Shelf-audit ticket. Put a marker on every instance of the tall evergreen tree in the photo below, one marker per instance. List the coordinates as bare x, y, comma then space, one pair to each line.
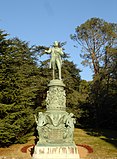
19, 84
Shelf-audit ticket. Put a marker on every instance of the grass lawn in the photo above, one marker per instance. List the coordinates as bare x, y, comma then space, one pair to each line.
104, 143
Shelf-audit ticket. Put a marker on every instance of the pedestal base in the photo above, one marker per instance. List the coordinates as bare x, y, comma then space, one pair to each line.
56, 152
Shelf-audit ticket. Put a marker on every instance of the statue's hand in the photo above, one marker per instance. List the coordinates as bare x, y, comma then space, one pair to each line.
46, 51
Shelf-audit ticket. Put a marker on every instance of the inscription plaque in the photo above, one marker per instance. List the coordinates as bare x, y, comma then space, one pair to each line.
56, 135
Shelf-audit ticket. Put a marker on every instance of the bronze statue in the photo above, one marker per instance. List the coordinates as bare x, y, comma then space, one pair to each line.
56, 53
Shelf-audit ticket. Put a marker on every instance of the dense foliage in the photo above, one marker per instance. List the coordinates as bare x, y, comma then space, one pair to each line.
19, 85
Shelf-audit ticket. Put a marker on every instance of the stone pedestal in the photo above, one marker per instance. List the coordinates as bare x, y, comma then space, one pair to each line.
55, 127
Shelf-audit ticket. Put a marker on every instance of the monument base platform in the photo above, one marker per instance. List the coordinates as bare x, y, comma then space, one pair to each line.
56, 152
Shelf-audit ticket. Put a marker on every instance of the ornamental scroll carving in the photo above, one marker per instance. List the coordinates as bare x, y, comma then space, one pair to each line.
56, 98
55, 128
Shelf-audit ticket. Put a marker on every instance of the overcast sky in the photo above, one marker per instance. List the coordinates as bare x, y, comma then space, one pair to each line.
41, 22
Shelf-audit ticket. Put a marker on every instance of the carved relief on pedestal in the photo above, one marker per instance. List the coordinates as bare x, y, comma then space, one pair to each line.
55, 128
56, 98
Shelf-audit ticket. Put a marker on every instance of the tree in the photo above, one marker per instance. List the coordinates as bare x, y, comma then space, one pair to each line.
99, 50
94, 36
71, 77
19, 82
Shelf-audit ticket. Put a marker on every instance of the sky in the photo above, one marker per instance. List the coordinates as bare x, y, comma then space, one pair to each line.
41, 22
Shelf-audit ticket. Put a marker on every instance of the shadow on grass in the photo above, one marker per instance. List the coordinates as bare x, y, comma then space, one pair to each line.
109, 136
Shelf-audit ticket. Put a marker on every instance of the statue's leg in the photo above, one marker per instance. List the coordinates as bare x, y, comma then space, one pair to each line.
59, 68
60, 73
53, 72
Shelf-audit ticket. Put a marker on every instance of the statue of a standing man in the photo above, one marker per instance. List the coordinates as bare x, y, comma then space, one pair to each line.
56, 53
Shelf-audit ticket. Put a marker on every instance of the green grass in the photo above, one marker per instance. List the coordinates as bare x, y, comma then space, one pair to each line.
103, 142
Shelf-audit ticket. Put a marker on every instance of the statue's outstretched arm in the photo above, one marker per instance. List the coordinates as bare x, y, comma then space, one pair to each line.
48, 51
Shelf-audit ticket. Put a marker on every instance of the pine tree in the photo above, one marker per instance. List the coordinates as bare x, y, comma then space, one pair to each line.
19, 84
98, 39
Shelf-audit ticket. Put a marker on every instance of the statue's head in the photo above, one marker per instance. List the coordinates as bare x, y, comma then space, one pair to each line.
56, 43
